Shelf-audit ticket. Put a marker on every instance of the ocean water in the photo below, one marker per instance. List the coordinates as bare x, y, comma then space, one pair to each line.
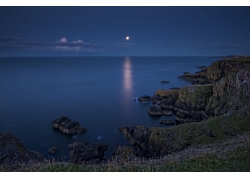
97, 92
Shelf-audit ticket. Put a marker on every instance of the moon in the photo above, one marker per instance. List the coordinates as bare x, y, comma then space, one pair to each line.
127, 37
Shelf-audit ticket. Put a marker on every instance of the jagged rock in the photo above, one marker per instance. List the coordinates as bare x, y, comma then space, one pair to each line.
167, 103
139, 137
85, 152
70, 127
67, 127
180, 106
12, 151
166, 122
53, 150
81, 130
56, 123
144, 98
155, 110
168, 112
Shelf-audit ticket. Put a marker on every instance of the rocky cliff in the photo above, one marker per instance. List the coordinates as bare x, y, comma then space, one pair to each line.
219, 89
221, 96
12, 151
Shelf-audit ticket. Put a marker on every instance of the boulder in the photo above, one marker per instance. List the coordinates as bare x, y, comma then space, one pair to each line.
53, 150
12, 151
168, 112
155, 110
85, 152
81, 130
56, 123
144, 98
166, 122
70, 127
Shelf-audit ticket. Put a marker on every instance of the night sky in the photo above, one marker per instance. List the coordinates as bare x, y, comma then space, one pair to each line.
102, 31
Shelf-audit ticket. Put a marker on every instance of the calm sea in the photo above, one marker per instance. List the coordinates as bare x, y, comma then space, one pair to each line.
97, 92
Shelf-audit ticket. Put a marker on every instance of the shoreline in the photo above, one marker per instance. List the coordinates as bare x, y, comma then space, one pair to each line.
197, 76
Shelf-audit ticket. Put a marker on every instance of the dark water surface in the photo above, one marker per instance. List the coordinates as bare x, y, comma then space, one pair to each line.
97, 92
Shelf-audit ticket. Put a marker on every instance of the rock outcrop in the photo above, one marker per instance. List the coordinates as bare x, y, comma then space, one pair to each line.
123, 153
144, 98
225, 87
156, 142
156, 110
62, 120
221, 90
85, 152
67, 127
53, 150
81, 130
12, 151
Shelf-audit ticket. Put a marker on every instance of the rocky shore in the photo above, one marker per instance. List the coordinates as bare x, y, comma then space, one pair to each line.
219, 89
215, 108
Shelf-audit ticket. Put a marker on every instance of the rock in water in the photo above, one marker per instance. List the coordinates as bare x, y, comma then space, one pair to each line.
63, 124
12, 151
144, 98
85, 152
53, 150
81, 130
70, 127
167, 122
156, 110
56, 123
164, 81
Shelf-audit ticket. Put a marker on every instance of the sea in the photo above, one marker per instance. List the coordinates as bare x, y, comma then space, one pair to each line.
97, 92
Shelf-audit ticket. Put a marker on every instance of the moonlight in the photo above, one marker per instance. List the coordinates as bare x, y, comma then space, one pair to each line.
127, 37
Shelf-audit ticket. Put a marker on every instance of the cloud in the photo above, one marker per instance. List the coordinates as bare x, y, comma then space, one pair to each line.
14, 44
63, 40
78, 41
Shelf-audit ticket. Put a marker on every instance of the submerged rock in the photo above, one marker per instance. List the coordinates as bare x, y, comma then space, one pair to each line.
12, 151
164, 81
85, 152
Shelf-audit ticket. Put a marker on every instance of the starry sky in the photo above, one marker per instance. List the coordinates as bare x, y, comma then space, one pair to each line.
102, 31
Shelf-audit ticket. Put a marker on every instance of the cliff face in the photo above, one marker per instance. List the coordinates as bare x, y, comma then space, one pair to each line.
232, 91
12, 151
227, 89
